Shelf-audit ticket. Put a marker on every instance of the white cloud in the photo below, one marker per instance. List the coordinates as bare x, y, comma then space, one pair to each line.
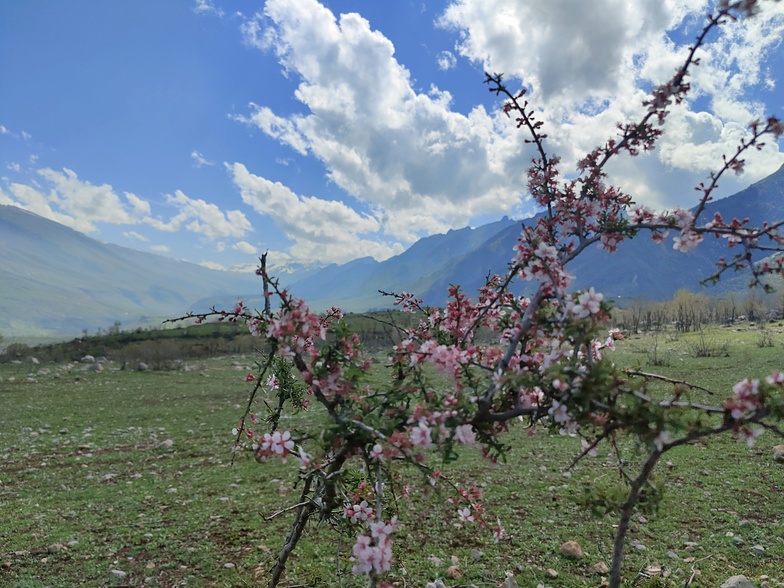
202, 217
586, 64
245, 247
4, 130
446, 60
323, 230
88, 204
160, 248
199, 160
206, 7
213, 266
13, 166
420, 166
135, 235
76, 203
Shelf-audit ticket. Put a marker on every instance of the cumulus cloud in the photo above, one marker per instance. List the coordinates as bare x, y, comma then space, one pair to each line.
160, 248
323, 230
76, 203
422, 167
587, 65
81, 205
202, 217
446, 60
213, 265
245, 247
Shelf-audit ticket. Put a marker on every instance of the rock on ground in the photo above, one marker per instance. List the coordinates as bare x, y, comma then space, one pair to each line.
737, 582
572, 550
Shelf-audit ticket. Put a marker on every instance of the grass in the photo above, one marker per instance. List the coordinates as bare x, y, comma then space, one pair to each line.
90, 497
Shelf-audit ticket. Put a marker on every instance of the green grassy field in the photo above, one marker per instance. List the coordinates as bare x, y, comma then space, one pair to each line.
90, 495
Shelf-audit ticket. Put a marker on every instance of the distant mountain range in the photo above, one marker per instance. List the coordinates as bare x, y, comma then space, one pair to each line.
56, 281
639, 269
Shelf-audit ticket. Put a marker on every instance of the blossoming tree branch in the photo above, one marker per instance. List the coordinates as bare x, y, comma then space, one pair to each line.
547, 364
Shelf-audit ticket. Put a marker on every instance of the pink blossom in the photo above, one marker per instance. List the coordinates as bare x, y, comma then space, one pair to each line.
377, 453
776, 378
465, 434
465, 515
358, 512
588, 303
277, 443
687, 241
420, 436
588, 449
254, 326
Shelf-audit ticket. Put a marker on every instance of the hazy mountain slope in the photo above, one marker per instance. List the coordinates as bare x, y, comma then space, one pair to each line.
56, 280
640, 268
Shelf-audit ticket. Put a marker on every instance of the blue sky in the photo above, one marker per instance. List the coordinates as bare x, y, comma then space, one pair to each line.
213, 130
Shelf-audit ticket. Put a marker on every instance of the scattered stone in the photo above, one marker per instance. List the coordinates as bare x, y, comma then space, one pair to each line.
88, 359
228, 565
737, 582
599, 568
744, 523
119, 573
672, 555
55, 548
166, 445
778, 453
454, 572
142, 367
435, 560
476, 554
551, 573
509, 582
738, 541
108, 476
437, 584
572, 549
758, 549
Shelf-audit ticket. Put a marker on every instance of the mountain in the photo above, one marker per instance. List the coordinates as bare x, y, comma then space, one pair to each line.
54, 280
640, 267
